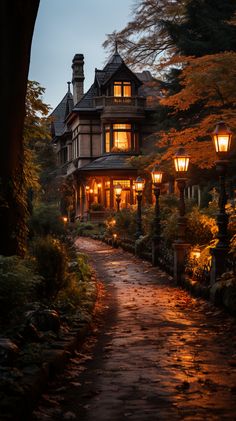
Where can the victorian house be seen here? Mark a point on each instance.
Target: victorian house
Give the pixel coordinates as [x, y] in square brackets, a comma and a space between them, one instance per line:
[96, 134]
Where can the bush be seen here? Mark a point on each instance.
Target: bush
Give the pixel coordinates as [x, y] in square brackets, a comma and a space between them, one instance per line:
[84, 226]
[46, 220]
[97, 207]
[18, 284]
[51, 263]
[200, 228]
[79, 285]
[125, 223]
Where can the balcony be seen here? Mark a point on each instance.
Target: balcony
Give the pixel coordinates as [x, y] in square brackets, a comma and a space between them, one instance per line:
[111, 106]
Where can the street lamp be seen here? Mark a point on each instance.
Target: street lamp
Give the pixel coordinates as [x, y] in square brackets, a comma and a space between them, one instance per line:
[181, 162]
[221, 137]
[118, 190]
[156, 181]
[139, 186]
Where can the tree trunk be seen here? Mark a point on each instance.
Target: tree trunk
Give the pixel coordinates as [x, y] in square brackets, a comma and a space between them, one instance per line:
[17, 19]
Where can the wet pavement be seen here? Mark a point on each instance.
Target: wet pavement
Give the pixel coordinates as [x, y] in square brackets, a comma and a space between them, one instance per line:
[155, 353]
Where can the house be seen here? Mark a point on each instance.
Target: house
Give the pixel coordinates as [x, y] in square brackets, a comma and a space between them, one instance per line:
[96, 133]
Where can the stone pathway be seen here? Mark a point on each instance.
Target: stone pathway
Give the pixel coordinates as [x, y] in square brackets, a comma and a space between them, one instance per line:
[155, 352]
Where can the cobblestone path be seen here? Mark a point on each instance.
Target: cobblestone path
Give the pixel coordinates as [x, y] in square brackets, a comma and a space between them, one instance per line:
[155, 354]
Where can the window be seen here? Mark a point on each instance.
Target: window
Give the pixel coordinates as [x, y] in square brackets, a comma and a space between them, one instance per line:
[120, 137]
[107, 138]
[122, 89]
[123, 183]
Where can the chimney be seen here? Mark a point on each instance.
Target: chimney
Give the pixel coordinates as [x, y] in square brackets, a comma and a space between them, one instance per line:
[78, 77]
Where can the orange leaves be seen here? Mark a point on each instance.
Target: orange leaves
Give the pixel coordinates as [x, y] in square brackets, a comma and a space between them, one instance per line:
[211, 78]
[209, 88]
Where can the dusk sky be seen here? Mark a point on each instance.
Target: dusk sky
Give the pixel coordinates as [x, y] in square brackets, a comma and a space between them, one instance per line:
[67, 27]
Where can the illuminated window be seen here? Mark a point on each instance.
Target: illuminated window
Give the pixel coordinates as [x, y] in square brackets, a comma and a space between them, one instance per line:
[122, 89]
[107, 138]
[123, 183]
[120, 137]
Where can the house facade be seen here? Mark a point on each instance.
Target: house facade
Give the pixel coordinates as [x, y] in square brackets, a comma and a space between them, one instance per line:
[96, 134]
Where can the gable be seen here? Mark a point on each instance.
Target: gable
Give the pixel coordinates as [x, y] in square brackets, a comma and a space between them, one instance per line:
[123, 73]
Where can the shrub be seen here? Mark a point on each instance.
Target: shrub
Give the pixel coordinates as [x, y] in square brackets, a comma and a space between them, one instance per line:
[51, 263]
[46, 220]
[200, 228]
[97, 206]
[79, 285]
[84, 226]
[125, 224]
[18, 284]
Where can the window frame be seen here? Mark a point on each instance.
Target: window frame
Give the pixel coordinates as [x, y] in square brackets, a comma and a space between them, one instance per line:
[109, 137]
[122, 84]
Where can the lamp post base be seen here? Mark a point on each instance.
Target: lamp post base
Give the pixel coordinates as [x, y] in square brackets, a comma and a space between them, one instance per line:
[180, 252]
[219, 258]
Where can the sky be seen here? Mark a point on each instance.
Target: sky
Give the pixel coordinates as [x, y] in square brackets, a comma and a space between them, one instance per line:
[67, 27]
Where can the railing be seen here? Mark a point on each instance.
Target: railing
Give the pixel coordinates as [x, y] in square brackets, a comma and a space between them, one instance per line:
[108, 101]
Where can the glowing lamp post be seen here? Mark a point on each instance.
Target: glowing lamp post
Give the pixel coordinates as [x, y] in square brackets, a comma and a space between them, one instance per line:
[139, 186]
[118, 191]
[181, 162]
[221, 137]
[65, 219]
[156, 181]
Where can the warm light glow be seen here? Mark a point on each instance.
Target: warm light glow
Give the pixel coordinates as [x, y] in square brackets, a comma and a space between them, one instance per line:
[122, 89]
[222, 136]
[195, 253]
[122, 136]
[156, 175]
[115, 236]
[65, 219]
[117, 189]
[91, 191]
[181, 160]
[221, 143]
[87, 188]
[139, 185]
[99, 185]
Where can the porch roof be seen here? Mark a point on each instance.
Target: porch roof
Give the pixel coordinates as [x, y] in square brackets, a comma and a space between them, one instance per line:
[110, 162]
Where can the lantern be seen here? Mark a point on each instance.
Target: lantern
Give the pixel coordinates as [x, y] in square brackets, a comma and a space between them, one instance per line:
[181, 160]
[117, 189]
[156, 175]
[222, 136]
[139, 185]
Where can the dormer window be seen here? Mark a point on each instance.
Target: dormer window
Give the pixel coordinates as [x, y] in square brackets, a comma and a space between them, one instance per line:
[122, 89]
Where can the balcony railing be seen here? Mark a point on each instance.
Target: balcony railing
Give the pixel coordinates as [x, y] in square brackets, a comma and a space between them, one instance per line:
[110, 101]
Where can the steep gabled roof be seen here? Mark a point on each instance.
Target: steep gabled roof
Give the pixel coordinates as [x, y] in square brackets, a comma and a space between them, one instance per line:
[113, 66]
[60, 113]
[87, 99]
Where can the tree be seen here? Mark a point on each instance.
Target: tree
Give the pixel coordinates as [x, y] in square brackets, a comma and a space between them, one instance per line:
[145, 38]
[17, 20]
[165, 28]
[38, 150]
[206, 27]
